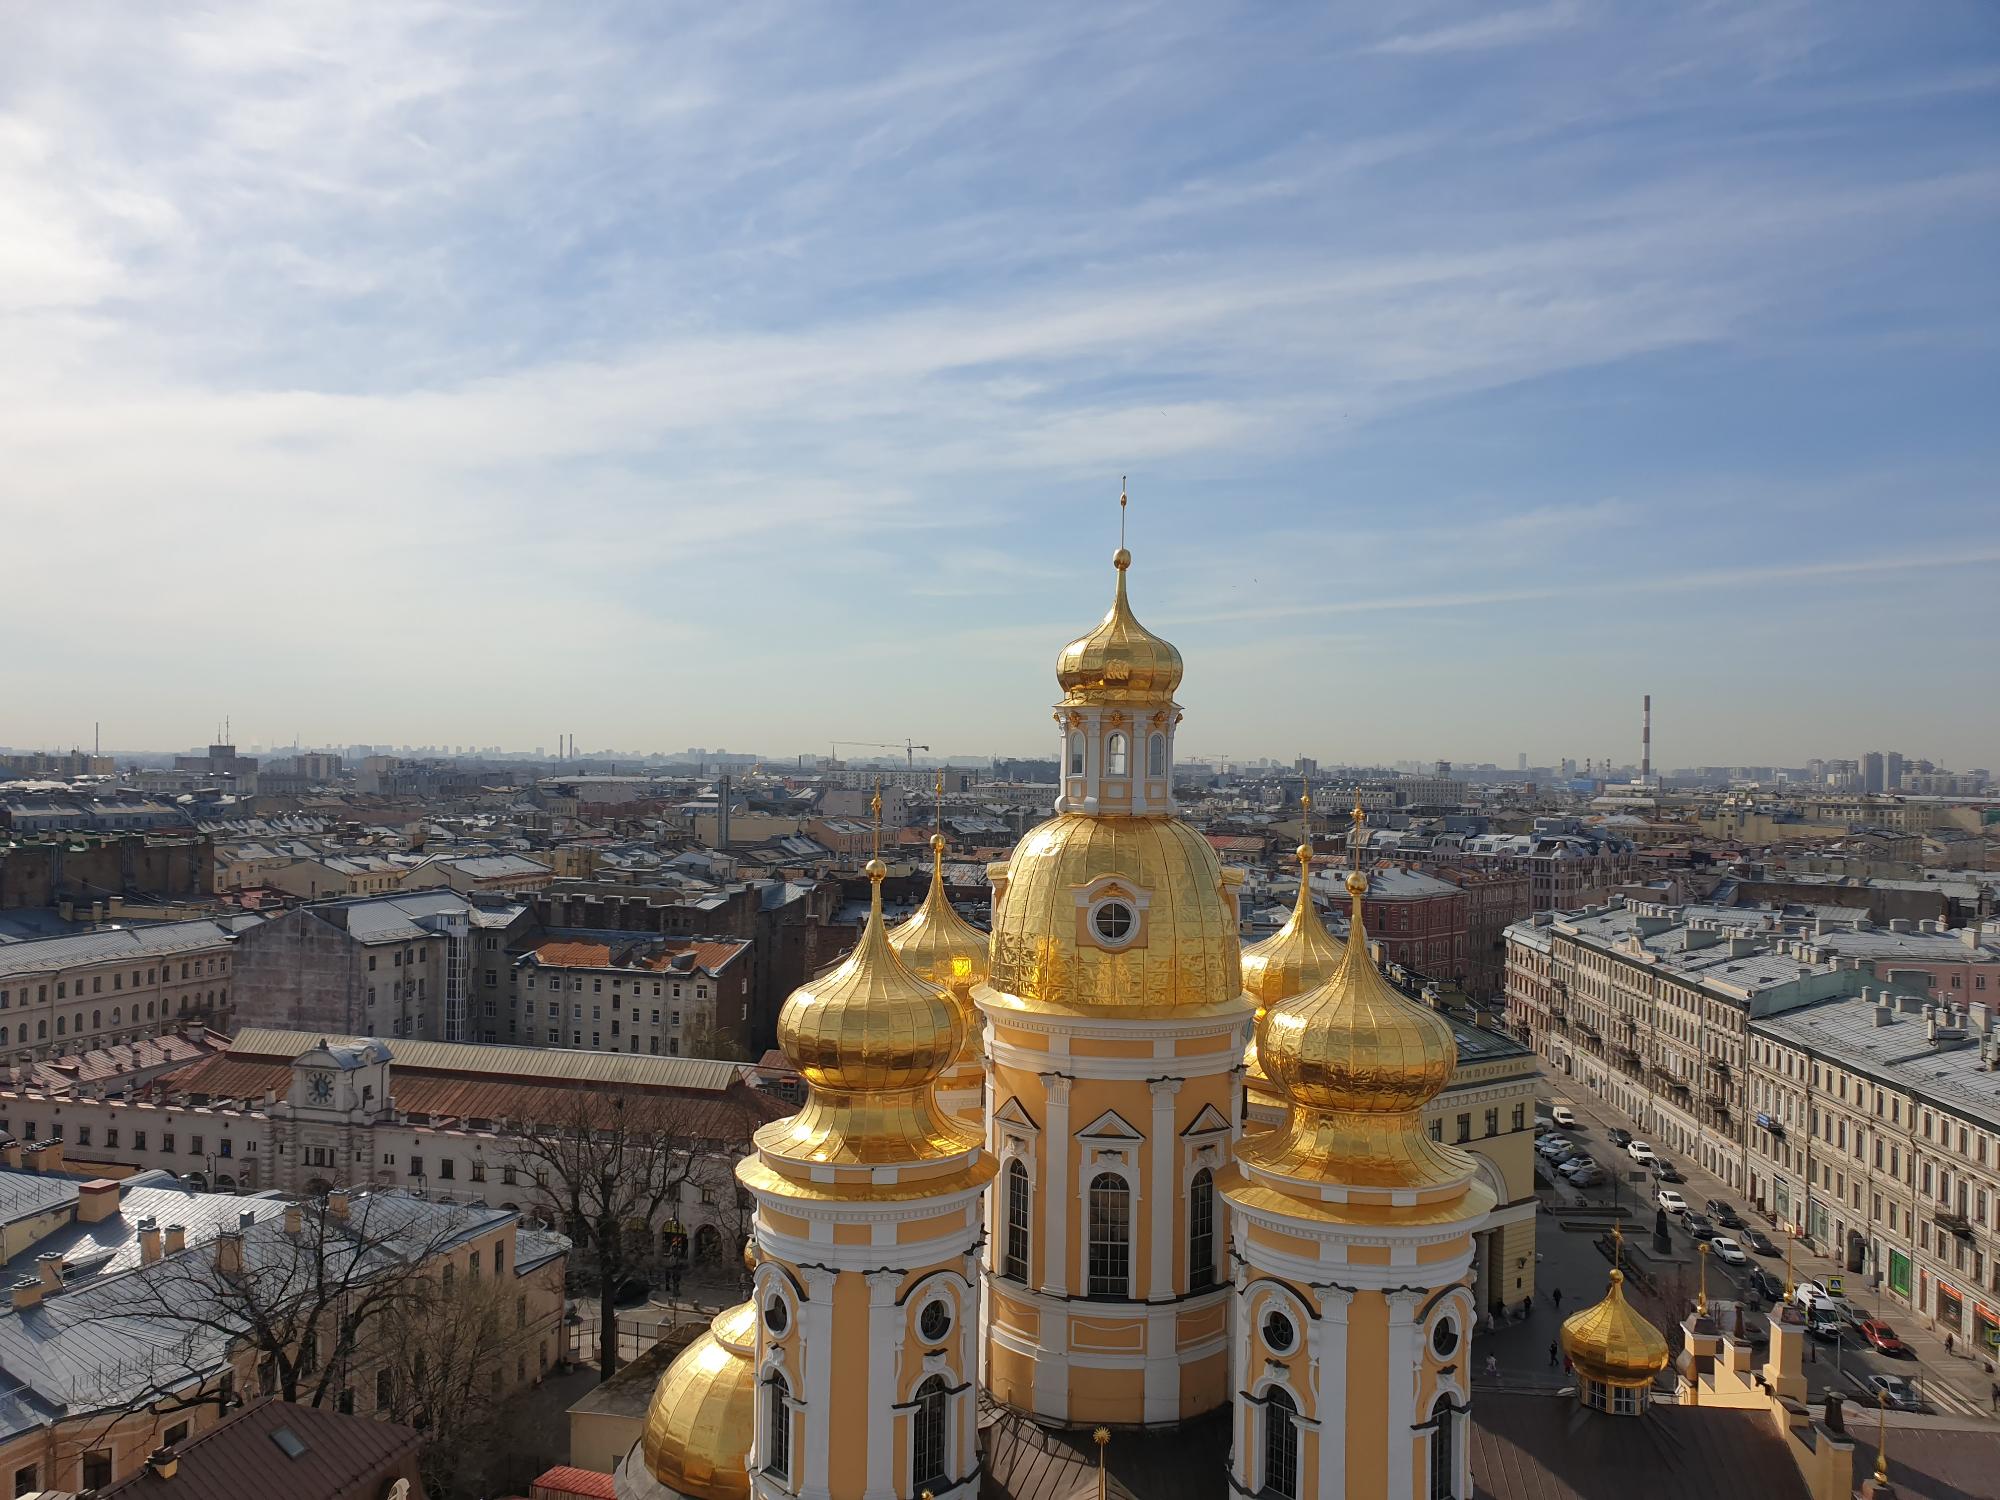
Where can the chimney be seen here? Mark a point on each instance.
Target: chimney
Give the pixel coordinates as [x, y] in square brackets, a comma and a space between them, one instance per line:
[10, 1154]
[27, 1293]
[177, 1238]
[96, 1201]
[149, 1242]
[1646, 742]
[336, 1203]
[49, 1265]
[1899, 924]
[1836, 1420]
[163, 1463]
[295, 1219]
[229, 1252]
[246, 1218]
[45, 1156]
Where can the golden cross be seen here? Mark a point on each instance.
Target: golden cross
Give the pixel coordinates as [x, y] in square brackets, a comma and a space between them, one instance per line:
[876, 805]
[1121, 510]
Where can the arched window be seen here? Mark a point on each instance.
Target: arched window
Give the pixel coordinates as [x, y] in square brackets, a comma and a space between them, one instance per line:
[1281, 1445]
[41, 1031]
[1076, 754]
[62, 1025]
[1201, 1231]
[1110, 1237]
[1444, 1472]
[1156, 755]
[927, 1436]
[1116, 754]
[117, 1016]
[1016, 1261]
[97, 1020]
[3, 1036]
[779, 1415]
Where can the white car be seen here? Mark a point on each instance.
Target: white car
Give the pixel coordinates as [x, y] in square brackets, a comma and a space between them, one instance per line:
[1553, 1145]
[1672, 1201]
[1564, 1116]
[1727, 1251]
[1806, 1293]
[1642, 1153]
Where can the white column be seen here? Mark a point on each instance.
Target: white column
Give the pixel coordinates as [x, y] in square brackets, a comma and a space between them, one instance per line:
[1166, 1151]
[816, 1337]
[1403, 1335]
[882, 1346]
[1093, 759]
[1240, 1334]
[1327, 1339]
[1055, 1186]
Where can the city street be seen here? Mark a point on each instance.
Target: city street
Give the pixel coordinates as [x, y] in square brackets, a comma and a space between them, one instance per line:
[1959, 1382]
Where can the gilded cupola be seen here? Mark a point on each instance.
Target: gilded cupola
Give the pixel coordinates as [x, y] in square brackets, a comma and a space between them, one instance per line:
[937, 944]
[1121, 661]
[1297, 957]
[869, 1039]
[1356, 1063]
[1612, 1347]
[703, 1414]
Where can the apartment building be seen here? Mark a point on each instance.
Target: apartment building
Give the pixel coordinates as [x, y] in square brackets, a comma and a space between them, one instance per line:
[620, 993]
[1567, 869]
[110, 1352]
[1876, 1130]
[116, 985]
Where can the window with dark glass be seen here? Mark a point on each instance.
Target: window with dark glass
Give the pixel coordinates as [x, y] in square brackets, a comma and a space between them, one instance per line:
[1281, 1445]
[1110, 1257]
[928, 1435]
[779, 1416]
[1201, 1231]
[1016, 1264]
[1444, 1475]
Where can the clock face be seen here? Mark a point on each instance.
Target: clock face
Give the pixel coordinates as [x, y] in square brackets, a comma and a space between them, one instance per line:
[319, 1088]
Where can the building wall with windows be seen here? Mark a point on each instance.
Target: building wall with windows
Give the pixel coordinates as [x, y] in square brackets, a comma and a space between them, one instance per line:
[64, 994]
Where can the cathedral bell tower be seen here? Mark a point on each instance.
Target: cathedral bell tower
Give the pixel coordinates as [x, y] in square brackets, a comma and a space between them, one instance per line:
[1115, 1015]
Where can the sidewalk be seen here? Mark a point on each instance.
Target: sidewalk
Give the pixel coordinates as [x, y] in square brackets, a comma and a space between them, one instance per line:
[1958, 1382]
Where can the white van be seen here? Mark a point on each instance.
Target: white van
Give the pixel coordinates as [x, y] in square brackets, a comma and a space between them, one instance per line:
[1563, 1115]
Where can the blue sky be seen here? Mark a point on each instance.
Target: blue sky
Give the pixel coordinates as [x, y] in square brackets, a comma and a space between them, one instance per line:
[757, 374]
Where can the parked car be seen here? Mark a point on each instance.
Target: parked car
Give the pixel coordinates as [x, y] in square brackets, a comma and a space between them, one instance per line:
[1759, 1242]
[1823, 1322]
[1589, 1177]
[1727, 1251]
[1892, 1391]
[1620, 1137]
[1640, 1152]
[1767, 1286]
[1724, 1214]
[1564, 1116]
[1672, 1201]
[1697, 1225]
[1577, 1163]
[1552, 1145]
[1666, 1171]
[1882, 1336]
[1806, 1293]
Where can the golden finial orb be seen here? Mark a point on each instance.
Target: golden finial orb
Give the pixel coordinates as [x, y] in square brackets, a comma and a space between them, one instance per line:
[1121, 559]
[1357, 884]
[875, 870]
[937, 843]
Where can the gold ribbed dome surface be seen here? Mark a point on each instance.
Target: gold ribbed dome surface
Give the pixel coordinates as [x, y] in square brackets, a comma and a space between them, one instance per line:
[1356, 1063]
[1185, 957]
[1611, 1343]
[703, 1414]
[1121, 661]
[1299, 956]
[869, 1039]
[939, 945]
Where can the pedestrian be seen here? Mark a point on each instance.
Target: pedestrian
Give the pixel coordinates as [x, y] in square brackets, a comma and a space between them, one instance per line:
[1492, 1368]
[1555, 1353]
[1556, 1297]
[1947, 1343]
[1527, 1308]
[1996, 1395]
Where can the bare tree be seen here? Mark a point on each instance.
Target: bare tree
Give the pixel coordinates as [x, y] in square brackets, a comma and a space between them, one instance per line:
[604, 1174]
[445, 1373]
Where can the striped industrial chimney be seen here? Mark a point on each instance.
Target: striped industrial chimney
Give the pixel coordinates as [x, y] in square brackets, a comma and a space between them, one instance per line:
[1646, 742]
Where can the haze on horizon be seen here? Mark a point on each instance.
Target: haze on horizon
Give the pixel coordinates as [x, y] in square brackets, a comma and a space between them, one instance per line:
[468, 373]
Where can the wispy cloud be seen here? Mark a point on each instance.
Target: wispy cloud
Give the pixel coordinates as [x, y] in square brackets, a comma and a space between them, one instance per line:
[1506, 28]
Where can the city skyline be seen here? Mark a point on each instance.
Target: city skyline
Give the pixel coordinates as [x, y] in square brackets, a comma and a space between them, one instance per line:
[450, 374]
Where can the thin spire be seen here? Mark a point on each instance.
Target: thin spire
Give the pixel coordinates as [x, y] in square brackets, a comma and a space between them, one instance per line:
[876, 807]
[1123, 501]
[1882, 1438]
[1701, 1297]
[937, 822]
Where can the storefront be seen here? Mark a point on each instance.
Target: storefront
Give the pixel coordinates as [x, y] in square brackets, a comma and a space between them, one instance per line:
[1899, 1274]
[1781, 1199]
[1985, 1326]
[1950, 1309]
[1816, 1225]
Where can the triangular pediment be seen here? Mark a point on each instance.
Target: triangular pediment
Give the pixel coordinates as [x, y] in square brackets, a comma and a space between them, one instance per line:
[1013, 1112]
[1111, 1126]
[1210, 1119]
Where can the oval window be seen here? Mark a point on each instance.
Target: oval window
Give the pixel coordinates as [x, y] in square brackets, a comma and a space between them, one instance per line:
[1113, 922]
[1278, 1332]
[934, 1322]
[1444, 1337]
[777, 1317]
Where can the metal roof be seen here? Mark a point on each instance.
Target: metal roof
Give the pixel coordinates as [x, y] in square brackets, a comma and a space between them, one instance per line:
[489, 1059]
[109, 945]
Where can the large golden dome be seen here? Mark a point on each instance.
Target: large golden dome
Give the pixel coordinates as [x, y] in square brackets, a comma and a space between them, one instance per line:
[1121, 661]
[939, 945]
[1183, 955]
[1297, 957]
[1611, 1343]
[704, 1411]
[1356, 1063]
[869, 1039]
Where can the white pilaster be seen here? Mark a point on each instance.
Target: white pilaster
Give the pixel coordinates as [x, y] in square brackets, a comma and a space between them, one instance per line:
[1404, 1332]
[1327, 1342]
[883, 1342]
[816, 1335]
[1055, 1190]
[1166, 1150]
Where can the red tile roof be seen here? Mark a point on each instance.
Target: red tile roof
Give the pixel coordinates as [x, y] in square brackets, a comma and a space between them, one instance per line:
[653, 954]
[564, 1483]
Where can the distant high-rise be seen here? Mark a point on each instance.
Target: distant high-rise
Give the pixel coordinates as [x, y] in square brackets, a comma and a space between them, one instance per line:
[1873, 769]
[1305, 765]
[1892, 772]
[1521, 761]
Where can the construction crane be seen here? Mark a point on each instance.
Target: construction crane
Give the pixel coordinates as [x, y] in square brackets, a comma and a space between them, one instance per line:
[908, 747]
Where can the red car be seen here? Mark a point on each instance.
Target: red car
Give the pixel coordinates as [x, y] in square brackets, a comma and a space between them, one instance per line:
[1882, 1336]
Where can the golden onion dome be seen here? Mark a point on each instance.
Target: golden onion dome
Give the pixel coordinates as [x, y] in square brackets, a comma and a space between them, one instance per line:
[1353, 1044]
[937, 944]
[1121, 661]
[1182, 954]
[703, 1414]
[869, 1039]
[1610, 1343]
[1299, 956]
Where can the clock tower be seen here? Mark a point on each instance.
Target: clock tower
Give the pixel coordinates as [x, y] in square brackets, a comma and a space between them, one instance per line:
[322, 1130]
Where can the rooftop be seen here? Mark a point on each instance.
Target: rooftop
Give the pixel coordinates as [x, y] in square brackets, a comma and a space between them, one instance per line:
[1848, 1031]
[110, 945]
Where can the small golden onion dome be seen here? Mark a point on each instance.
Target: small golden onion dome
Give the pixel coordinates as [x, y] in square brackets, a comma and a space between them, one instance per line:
[869, 1039]
[1611, 1343]
[1299, 956]
[1182, 955]
[937, 944]
[1121, 661]
[1352, 1044]
[703, 1414]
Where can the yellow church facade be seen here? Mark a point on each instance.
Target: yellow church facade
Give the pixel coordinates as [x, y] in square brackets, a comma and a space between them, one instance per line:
[1022, 1174]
